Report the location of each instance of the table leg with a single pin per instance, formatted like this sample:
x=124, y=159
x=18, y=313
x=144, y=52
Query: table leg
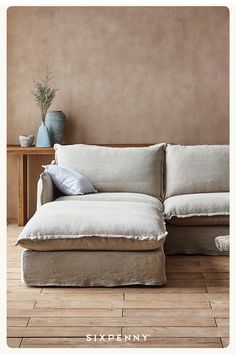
x=22, y=189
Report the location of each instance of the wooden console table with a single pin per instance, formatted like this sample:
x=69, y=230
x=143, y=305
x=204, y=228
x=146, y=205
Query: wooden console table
x=22, y=161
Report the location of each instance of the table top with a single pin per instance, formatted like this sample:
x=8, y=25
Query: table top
x=32, y=150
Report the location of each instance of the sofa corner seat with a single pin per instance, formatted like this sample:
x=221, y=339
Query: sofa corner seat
x=111, y=238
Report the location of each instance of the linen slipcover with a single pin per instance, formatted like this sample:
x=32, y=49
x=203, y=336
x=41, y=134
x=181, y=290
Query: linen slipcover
x=196, y=169
x=198, y=209
x=193, y=239
x=45, y=189
x=93, y=268
x=137, y=170
x=94, y=222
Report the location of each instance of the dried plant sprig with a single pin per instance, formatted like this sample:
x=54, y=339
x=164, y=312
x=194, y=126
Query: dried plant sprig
x=44, y=94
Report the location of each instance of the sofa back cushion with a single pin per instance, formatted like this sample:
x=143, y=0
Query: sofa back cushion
x=138, y=170
x=196, y=169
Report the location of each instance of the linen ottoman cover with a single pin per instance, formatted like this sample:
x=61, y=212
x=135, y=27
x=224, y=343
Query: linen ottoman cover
x=113, y=221
x=93, y=268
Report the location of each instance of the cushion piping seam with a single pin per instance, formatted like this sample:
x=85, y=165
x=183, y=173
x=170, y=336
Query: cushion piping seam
x=170, y=216
x=57, y=237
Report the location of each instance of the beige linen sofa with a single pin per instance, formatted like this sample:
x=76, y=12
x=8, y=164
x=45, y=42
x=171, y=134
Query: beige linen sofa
x=116, y=237
x=196, y=203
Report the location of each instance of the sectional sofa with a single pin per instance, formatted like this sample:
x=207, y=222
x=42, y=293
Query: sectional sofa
x=151, y=200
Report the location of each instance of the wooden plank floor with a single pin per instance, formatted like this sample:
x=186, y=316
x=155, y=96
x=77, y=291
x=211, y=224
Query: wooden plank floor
x=191, y=311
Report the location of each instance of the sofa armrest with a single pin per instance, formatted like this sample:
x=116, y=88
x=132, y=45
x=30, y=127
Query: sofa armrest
x=45, y=189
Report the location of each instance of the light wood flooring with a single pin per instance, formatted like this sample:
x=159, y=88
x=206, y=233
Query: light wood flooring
x=191, y=311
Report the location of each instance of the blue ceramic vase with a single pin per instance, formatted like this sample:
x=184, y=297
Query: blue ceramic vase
x=43, y=139
x=55, y=122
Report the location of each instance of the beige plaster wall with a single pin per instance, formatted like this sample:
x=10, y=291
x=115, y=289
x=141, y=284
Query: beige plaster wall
x=126, y=75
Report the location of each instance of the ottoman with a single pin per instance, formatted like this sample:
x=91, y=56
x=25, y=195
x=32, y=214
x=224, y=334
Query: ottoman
x=104, y=239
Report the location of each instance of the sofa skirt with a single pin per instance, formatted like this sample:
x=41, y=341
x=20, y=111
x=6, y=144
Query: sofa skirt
x=93, y=268
x=194, y=239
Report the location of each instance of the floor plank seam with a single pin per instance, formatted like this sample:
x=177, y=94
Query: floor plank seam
x=125, y=326
x=215, y=321
x=202, y=275
x=20, y=342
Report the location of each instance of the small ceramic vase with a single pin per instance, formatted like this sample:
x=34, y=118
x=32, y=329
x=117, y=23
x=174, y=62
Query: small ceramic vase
x=43, y=139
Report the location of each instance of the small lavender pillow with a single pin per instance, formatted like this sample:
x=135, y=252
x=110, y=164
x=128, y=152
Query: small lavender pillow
x=68, y=181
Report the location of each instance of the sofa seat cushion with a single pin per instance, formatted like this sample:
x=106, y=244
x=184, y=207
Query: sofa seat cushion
x=116, y=221
x=198, y=209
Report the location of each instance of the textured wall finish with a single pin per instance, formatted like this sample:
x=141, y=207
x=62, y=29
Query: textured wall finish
x=126, y=75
